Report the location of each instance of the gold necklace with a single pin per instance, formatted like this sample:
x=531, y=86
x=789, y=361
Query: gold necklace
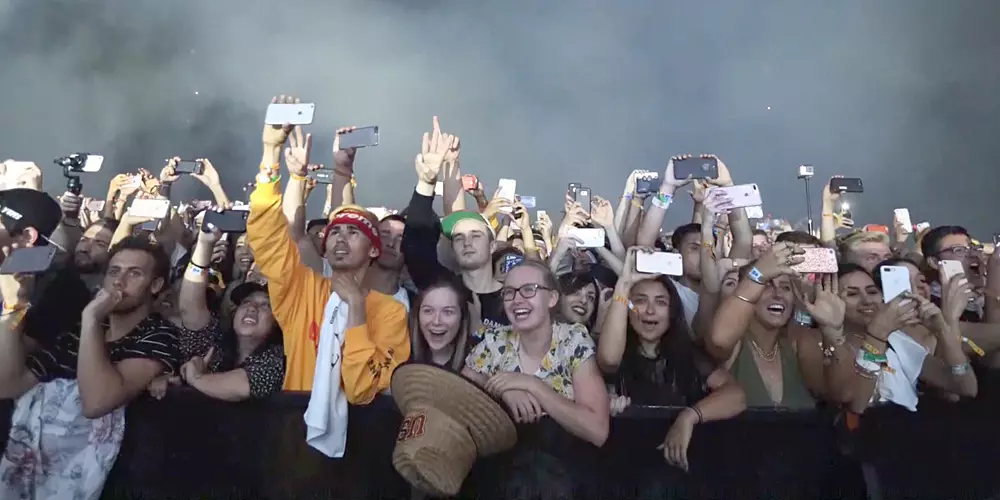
x=766, y=356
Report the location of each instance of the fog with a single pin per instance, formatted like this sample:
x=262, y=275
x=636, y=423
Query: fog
x=901, y=93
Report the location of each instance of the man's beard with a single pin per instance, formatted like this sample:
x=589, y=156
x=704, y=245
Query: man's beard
x=89, y=267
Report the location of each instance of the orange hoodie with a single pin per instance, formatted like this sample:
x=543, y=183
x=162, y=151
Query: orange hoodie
x=298, y=298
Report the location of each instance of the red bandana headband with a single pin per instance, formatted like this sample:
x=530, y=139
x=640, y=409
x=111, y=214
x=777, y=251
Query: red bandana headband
x=358, y=220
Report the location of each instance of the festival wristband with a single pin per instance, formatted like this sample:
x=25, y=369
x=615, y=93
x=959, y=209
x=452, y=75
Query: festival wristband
x=196, y=270
x=662, y=200
x=974, y=346
x=297, y=177
x=960, y=370
x=756, y=276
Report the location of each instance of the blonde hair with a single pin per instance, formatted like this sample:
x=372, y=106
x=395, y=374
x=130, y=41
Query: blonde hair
x=859, y=237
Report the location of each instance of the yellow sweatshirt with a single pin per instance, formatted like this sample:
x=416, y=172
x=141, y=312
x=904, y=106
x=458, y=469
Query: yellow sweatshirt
x=298, y=298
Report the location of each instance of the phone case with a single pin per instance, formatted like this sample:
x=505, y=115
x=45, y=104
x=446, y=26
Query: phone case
x=895, y=280
x=744, y=195
x=670, y=264
x=818, y=260
x=359, y=138
x=950, y=268
x=156, y=209
x=469, y=182
x=846, y=185
x=590, y=237
x=903, y=217
x=29, y=260
x=876, y=228
x=507, y=189
x=696, y=168
x=292, y=114
x=229, y=221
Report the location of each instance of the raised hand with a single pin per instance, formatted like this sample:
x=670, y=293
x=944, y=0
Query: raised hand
x=824, y=304
x=901, y=312
x=102, y=304
x=434, y=146
x=724, y=179
x=209, y=176
x=601, y=213
x=668, y=174
x=168, y=174
x=274, y=136
x=629, y=274
x=779, y=260
x=343, y=158
x=297, y=152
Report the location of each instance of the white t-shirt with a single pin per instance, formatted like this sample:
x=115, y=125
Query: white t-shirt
x=689, y=301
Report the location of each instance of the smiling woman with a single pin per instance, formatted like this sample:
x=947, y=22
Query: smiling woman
x=440, y=324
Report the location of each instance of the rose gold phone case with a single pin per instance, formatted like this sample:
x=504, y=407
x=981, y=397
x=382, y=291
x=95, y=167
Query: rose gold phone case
x=818, y=260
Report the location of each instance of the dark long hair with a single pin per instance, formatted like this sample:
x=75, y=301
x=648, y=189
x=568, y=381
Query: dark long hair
x=229, y=344
x=420, y=350
x=572, y=283
x=676, y=353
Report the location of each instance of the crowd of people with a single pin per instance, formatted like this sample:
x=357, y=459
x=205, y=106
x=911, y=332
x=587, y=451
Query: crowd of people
x=549, y=326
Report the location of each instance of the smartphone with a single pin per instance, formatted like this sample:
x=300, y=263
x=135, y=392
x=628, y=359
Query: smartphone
x=696, y=168
x=541, y=213
x=922, y=226
x=321, y=176
x=292, y=114
x=903, y=217
x=359, y=138
x=527, y=201
x=669, y=264
x=156, y=209
x=95, y=205
x=228, y=221
x=818, y=260
x=29, y=260
x=950, y=268
x=188, y=167
x=584, y=199
x=439, y=189
x=573, y=188
x=507, y=189
x=470, y=182
x=149, y=225
x=590, y=237
x=754, y=212
x=744, y=195
x=846, y=185
x=134, y=181
x=647, y=183
x=895, y=281
x=876, y=228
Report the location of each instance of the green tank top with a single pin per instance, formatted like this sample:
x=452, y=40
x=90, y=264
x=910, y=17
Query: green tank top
x=794, y=395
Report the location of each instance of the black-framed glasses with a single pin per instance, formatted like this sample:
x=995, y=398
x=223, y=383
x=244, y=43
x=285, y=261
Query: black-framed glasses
x=957, y=250
x=527, y=291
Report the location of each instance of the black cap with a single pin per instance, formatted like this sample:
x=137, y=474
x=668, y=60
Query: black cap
x=244, y=290
x=21, y=208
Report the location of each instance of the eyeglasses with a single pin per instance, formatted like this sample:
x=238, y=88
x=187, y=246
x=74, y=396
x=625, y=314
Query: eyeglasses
x=957, y=251
x=527, y=291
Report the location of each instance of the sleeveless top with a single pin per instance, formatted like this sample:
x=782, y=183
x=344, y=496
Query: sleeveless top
x=795, y=395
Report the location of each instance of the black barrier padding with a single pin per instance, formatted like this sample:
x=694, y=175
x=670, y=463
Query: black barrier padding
x=188, y=446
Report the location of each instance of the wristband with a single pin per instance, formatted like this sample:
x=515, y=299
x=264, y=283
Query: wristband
x=662, y=200
x=196, y=270
x=960, y=370
x=866, y=365
x=627, y=196
x=623, y=300
x=297, y=177
x=975, y=347
x=756, y=276
x=701, y=418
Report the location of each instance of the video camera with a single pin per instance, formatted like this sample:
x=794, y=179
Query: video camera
x=77, y=163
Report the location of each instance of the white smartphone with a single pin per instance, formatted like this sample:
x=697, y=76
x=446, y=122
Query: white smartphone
x=292, y=114
x=950, y=268
x=507, y=189
x=744, y=195
x=589, y=237
x=903, y=218
x=669, y=264
x=93, y=163
x=895, y=281
x=755, y=212
x=541, y=213
x=156, y=209
x=439, y=189
x=95, y=205
x=134, y=181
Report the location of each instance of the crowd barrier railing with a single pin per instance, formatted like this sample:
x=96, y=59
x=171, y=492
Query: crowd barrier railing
x=189, y=446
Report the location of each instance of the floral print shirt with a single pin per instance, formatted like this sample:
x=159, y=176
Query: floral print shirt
x=498, y=352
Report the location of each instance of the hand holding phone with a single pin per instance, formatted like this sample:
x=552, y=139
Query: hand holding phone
x=362, y=137
x=228, y=221
x=895, y=282
x=189, y=167
x=290, y=113
x=470, y=182
x=817, y=260
x=903, y=222
x=696, y=168
x=669, y=264
x=846, y=185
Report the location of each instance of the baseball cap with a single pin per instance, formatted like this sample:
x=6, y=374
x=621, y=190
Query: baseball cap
x=244, y=290
x=21, y=208
x=448, y=223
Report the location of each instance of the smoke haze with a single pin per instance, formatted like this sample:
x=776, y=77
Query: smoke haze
x=900, y=93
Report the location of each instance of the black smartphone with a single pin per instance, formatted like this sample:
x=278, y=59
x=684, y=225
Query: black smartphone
x=321, y=176
x=583, y=198
x=188, y=167
x=648, y=183
x=29, y=260
x=573, y=188
x=359, y=138
x=846, y=185
x=696, y=168
x=228, y=221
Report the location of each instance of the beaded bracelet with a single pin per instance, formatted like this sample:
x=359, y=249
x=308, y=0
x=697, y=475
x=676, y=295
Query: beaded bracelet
x=756, y=276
